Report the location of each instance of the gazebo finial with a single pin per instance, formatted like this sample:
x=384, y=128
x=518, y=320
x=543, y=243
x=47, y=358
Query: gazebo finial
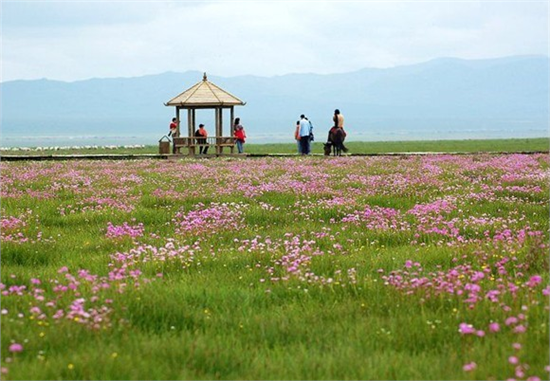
x=204, y=78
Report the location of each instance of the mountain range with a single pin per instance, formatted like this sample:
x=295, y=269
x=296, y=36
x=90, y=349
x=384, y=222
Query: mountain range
x=440, y=95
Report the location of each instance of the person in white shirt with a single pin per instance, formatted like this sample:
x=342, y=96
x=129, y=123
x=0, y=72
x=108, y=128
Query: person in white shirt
x=305, y=131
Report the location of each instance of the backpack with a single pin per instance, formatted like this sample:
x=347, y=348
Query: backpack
x=239, y=134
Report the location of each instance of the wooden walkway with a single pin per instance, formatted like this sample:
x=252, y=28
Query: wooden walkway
x=248, y=155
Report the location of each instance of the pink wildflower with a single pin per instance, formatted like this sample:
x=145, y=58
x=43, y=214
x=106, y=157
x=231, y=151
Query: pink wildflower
x=494, y=327
x=35, y=310
x=117, y=231
x=519, y=372
x=513, y=360
x=469, y=367
x=466, y=329
x=534, y=281
x=511, y=320
x=15, y=347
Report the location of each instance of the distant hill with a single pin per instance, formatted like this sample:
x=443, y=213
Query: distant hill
x=443, y=93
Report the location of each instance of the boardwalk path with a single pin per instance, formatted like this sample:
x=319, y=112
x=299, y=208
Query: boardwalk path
x=177, y=157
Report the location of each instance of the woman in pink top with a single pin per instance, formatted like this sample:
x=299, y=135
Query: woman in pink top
x=240, y=135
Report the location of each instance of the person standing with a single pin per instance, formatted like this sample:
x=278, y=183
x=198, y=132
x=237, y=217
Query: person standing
x=305, y=130
x=173, y=127
x=297, y=136
x=173, y=132
x=240, y=134
x=201, y=141
x=310, y=140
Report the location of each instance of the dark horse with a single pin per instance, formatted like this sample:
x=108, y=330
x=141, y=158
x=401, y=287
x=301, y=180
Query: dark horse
x=335, y=142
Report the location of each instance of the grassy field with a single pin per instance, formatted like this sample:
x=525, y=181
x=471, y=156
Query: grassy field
x=276, y=268
x=497, y=145
x=503, y=145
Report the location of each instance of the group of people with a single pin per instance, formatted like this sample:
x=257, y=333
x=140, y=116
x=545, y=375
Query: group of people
x=201, y=134
x=303, y=133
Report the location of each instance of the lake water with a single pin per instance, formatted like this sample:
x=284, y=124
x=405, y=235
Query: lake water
x=262, y=131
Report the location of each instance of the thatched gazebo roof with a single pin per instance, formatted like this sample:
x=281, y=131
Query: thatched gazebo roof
x=204, y=94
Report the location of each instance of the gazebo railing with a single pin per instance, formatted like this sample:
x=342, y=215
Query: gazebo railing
x=217, y=142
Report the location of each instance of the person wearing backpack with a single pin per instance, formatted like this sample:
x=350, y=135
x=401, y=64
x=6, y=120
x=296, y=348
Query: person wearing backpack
x=240, y=134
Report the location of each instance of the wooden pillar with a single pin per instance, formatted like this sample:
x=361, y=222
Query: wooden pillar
x=177, y=121
x=189, y=123
x=193, y=122
x=232, y=120
x=218, y=133
x=221, y=121
x=218, y=129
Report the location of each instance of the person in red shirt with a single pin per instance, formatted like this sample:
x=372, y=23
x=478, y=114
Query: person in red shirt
x=173, y=127
x=240, y=135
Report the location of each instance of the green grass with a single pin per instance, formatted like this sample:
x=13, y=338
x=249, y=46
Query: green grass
x=489, y=145
x=216, y=314
x=493, y=145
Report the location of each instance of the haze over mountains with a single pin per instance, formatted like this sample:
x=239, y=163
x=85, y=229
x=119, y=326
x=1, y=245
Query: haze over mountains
x=442, y=98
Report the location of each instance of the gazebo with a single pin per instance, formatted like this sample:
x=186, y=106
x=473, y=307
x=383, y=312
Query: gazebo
x=204, y=95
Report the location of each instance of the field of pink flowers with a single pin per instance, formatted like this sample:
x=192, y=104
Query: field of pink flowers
x=432, y=267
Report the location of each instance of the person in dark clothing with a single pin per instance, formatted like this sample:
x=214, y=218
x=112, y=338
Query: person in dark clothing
x=201, y=135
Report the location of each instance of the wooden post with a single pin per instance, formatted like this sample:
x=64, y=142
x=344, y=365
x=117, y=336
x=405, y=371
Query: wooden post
x=193, y=122
x=221, y=128
x=232, y=119
x=189, y=123
x=217, y=129
x=221, y=121
x=178, y=121
x=217, y=122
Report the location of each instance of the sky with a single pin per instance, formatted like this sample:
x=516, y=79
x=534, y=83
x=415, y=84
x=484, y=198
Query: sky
x=77, y=39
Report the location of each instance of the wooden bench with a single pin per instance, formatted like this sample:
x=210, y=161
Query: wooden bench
x=225, y=141
x=218, y=143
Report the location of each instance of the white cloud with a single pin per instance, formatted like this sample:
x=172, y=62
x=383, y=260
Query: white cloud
x=76, y=41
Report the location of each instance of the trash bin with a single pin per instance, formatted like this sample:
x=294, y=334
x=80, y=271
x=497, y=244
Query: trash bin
x=164, y=145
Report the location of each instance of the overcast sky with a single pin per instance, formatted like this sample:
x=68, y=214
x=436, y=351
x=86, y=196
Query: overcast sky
x=73, y=40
